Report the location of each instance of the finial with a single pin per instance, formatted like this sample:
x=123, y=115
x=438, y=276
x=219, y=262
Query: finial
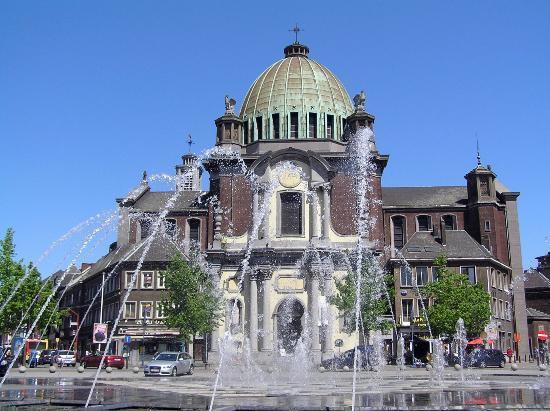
x=359, y=101
x=229, y=105
x=478, y=156
x=190, y=142
x=296, y=30
x=144, y=178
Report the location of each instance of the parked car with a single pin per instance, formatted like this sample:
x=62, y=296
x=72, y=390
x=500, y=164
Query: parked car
x=170, y=363
x=64, y=358
x=115, y=361
x=46, y=356
x=366, y=359
x=483, y=357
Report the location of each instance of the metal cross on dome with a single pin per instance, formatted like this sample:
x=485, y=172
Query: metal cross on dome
x=296, y=30
x=190, y=141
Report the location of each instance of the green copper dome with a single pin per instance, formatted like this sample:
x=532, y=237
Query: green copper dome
x=296, y=97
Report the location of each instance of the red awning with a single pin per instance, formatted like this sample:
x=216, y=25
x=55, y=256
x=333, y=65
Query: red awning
x=477, y=341
x=541, y=335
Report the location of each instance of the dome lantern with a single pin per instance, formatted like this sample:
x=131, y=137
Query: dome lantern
x=296, y=49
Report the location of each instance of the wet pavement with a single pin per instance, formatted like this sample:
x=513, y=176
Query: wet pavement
x=527, y=388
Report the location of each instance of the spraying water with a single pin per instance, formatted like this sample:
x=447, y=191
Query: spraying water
x=87, y=240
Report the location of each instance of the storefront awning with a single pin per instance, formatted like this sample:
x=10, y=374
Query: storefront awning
x=541, y=335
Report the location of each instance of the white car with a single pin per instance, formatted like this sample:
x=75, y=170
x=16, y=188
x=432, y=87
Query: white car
x=65, y=358
x=170, y=363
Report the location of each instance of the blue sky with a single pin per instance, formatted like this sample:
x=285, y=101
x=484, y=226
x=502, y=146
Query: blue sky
x=93, y=93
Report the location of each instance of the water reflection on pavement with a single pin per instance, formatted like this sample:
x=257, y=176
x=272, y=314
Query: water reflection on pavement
x=69, y=393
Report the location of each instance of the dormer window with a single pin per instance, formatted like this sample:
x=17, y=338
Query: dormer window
x=170, y=227
x=449, y=222
x=194, y=230
x=145, y=227
x=398, y=231
x=424, y=222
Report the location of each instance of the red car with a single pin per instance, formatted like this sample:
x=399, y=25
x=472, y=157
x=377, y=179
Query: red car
x=114, y=361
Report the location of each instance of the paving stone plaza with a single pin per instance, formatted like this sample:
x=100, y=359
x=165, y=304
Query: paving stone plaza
x=526, y=388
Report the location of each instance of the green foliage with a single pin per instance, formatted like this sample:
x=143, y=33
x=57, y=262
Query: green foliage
x=32, y=293
x=455, y=297
x=374, y=303
x=193, y=303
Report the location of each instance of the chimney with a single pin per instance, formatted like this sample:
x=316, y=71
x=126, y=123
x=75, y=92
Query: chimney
x=435, y=231
x=443, y=232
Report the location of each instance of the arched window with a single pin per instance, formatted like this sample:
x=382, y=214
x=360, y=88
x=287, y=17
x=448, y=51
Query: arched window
x=449, y=221
x=194, y=229
x=424, y=222
x=398, y=227
x=291, y=219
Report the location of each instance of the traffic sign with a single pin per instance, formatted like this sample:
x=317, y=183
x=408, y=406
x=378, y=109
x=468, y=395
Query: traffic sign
x=127, y=339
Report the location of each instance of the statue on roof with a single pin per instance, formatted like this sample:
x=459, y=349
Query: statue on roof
x=359, y=101
x=144, y=178
x=229, y=105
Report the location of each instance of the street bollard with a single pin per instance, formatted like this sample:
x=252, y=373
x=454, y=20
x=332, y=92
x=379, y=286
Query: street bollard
x=80, y=369
x=52, y=369
x=135, y=370
x=22, y=369
x=514, y=367
x=109, y=370
x=458, y=367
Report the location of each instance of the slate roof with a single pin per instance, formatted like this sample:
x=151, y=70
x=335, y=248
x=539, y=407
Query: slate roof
x=423, y=245
x=155, y=201
x=536, y=314
x=162, y=249
x=442, y=196
x=535, y=279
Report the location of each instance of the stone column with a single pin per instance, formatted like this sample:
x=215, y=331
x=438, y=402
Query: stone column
x=313, y=308
x=326, y=211
x=328, y=352
x=314, y=210
x=253, y=314
x=267, y=340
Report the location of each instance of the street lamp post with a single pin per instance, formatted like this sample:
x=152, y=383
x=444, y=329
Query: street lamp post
x=146, y=312
x=411, y=318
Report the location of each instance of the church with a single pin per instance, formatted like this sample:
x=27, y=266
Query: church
x=292, y=134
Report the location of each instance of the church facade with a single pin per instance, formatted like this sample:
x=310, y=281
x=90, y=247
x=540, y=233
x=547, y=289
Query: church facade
x=292, y=135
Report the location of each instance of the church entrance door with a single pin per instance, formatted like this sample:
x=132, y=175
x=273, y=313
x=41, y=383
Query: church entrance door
x=289, y=324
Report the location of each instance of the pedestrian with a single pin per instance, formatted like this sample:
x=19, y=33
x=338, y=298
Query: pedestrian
x=126, y=356
x=510, y=354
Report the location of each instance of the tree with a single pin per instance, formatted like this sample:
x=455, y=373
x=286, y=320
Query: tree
x=30, y=296
x=456, y=297
x=373, y=304
x=193, y=304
